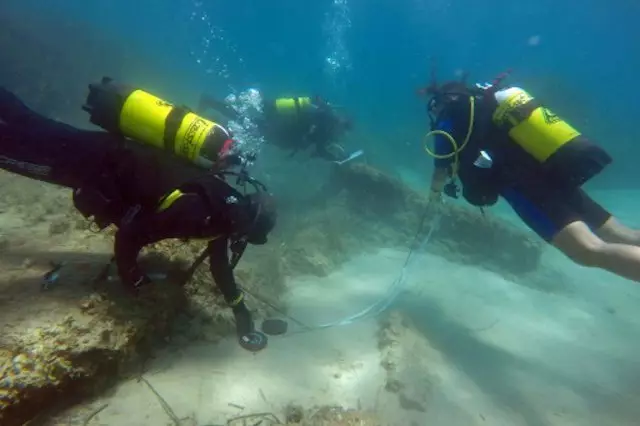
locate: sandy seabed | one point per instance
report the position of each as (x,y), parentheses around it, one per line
(461,346)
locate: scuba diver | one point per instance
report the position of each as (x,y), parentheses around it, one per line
(296,124)
(499,141)
(146,193)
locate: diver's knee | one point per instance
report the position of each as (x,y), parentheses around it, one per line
(587,253)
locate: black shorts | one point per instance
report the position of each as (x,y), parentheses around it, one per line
(547,214)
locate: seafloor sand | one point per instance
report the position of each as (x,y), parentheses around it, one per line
(470,349)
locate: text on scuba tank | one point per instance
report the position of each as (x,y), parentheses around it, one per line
(188,147)
(35,169)
(549,116)
(517,101)
(162,103)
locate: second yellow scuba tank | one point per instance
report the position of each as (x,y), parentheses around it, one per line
(141,116)
(564,153)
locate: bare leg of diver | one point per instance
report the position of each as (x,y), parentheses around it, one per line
(614,232)
(587,249)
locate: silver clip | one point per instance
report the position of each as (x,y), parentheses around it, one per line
(484,160)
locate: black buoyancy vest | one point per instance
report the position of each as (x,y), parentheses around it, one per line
(224,201)
(480,186)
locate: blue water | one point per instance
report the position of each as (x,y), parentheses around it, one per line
(580,58)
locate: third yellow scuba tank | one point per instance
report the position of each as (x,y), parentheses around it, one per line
(564,153)
(141,116)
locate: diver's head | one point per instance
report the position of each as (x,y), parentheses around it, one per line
(253,221)
(447,96)
(263,214)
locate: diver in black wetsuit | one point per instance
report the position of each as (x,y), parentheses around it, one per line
(295,124)
(148,195)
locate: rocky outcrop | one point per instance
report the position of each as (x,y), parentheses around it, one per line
(364,207)
(80,354)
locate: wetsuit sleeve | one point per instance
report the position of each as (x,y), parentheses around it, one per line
(186,218)
(221,270)
(443,146)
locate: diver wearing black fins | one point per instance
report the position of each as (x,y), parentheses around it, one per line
(147,193)
(499,141)
(295,124)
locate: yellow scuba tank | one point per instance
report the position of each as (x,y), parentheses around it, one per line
(292,106)
(141,116)
(564,153)
(535,128)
